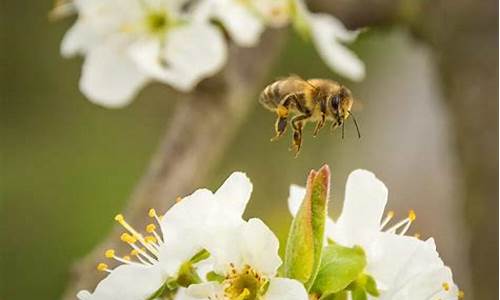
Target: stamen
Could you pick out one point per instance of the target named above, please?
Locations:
(461, 294)
(152, 214)
(178, 199)
(417, 236)
(121, 220)
(151, 228)
(135, 253)
(127, 238)
(110, 253)
(103, 268)
(388, 217)
(411, 217)
(405, 222)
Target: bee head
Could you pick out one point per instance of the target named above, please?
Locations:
(341, 103)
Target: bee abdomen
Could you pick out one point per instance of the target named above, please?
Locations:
(271, 96)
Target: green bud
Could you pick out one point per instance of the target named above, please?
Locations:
(306, 236)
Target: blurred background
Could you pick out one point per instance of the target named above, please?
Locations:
(68, 166)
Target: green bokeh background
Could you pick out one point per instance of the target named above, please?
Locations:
(68, 166)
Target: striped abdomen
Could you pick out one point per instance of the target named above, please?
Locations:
(274, 93)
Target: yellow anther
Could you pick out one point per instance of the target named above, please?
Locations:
(150, 239)
(417, 235)
(119, 218)
(411, 215)
(446, 286)
(461, 294)
(152, 213)
(127, 238)
(134, 252)
(178, 199)
(126, 257)
(150, 228)
(390, 214)
(102, 267)
(110, 253)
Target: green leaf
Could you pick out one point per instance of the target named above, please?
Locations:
(306, 236)
(212, 276)
(339, 267)
(358, 294)
(371, 286)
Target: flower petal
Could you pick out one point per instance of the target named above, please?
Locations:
(191, 53)
(243, 26)
(260, 247)
(295, 197)
(434, 283)
(127, 282)
(235, 193)
(365, 200)
(284, 288)
(326, 34)
(209, 290)
(184, 229)
(77, 40)
(109, 77)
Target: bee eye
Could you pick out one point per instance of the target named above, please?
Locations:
(335, 100)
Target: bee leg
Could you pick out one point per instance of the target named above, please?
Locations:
(319, 125)
(297, 125)
(279, 127)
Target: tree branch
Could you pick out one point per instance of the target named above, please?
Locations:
(201, 129)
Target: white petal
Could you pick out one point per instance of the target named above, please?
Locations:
(235, 193)
(260, 247)
(427, 285)
(110, 78)
(191, 53)
(212, 289)
(78, 39)
(388, 256)
(184, 229)
(127, 282)
(365, 200)
(295, 197)
(284, 288)
(243, 26)
(182, 294)
(326, 36)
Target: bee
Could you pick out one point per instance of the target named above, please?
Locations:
(315, 100)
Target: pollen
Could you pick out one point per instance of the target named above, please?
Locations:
(390, 214)
(102, 267)
(411, 215)
(461, 294)
(119, 218)
(127, 238)
(152, 213)
(446, 286)
(178, 199)
(150, 228)
(134, 252)
(417, 236)
(150, 239)
(126, 257)
(110, 253)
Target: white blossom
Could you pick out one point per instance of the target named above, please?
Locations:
(247, 259)
(403, 266)
(184, 231)
(329, 35)
(128, 43)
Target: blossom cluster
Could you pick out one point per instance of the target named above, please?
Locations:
(202, 248)
(128, 43)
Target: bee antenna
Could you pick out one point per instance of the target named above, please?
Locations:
(355, 123)
(343, 130)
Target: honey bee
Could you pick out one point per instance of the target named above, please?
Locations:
(315, 100)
